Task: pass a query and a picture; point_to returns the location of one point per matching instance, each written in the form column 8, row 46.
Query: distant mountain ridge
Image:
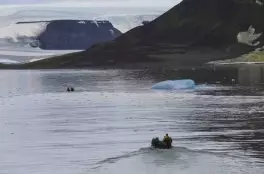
column 190, row 34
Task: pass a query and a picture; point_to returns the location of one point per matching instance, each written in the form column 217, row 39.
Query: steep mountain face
column 212, row 23
column 75, row 35
column 192, row 33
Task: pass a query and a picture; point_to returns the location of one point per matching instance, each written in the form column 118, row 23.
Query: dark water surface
column 107, row 124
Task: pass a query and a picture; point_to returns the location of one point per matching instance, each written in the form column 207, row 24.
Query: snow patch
column 81, row 22
column 112, row 32
column 249, row 37
column 95, row 22
column 125, row 22
column 37, row 59
column 259, row 2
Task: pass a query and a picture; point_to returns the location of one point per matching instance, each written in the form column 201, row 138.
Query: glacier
column 175, row 85
column 15, row 38
column 8, row 61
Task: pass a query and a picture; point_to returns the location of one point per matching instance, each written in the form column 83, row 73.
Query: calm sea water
column 107, row 124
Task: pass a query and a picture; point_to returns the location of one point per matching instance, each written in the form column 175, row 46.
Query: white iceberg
column 175, row 84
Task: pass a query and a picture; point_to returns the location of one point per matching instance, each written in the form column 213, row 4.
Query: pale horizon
column 130, row 3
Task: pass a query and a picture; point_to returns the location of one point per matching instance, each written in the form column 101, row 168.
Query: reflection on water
column 238, row 123
column 243, row 75
column 251, row 74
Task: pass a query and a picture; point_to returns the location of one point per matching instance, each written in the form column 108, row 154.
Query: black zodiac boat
column 156, row 143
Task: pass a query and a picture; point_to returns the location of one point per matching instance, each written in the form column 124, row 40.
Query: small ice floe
column 249, row 37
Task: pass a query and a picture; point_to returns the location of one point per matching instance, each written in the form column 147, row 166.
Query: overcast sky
column 138, row 2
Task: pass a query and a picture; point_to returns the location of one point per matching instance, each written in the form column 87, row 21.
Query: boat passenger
column 167, row 140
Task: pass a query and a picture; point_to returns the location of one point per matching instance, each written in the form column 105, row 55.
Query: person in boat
column 70, row 89
column 167, row 140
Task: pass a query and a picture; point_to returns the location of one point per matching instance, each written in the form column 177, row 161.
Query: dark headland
column 190, row 34
column 73, row 34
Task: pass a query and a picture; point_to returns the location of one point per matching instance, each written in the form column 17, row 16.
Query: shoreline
column 193, row 58
column 146, row 60
column 237, row 63
column 135, row 66
column 241, row 73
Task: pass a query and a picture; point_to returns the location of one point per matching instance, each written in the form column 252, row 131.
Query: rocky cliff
column 75, row 34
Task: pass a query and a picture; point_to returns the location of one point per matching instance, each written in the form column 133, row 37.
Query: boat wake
column 150, row 160
column 162, row 156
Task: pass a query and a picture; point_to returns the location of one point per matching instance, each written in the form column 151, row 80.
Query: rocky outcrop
column 75, row 34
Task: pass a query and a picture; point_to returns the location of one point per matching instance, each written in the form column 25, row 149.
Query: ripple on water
column 45, row 130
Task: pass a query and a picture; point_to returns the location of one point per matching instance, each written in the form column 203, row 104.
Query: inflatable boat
column 156, row 143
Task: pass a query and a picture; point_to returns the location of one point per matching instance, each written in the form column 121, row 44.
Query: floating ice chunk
column 175, row 84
